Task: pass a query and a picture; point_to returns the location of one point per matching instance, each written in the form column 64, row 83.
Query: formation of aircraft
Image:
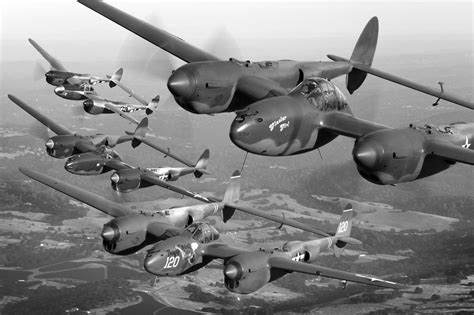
column 290, row 107
column 246, row 271
column 282, row 107
column 184, row 244
column 76, row 87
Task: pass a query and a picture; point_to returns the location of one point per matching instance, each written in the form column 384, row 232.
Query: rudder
column 232, row 194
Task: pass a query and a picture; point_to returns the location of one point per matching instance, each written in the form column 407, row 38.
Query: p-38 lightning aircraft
column 209, row 85
column 59, row 76
column 131, row 230
column 246, row 271
column 68, row 143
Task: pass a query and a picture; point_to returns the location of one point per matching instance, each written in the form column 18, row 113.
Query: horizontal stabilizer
column 410, row 84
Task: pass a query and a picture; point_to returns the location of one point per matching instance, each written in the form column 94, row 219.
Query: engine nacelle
column 93, row 109
column 248, row 272
column 126, row 235
column 127, row 180
column 63, row 146
column 392, row 156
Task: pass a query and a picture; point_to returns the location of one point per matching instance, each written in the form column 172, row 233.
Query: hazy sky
column 67, row 25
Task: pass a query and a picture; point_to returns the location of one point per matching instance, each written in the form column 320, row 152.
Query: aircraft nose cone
column 152, row 264
column 367, row 154
column 182, row 83
column 49, row 144
column 88, row 104
column 108, row 233
column 231, row 272
column 70, row 165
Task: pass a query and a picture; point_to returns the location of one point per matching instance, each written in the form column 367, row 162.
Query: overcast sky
column 66, row 24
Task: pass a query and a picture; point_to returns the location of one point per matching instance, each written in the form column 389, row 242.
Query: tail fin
column 115, row 78
column 343, row 231
column 153, row 105
column 363, row 53
column 55, row 63
column 201, row 164
column 232, row 194
column 140, row 132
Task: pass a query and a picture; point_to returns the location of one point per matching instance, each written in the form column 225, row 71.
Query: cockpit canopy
column 321, row 93
column 202, row 232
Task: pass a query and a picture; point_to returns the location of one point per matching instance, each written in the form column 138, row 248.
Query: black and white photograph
column 236, row 157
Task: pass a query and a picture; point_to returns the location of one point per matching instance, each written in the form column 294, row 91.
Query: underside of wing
column 154, row 180
column 114, row 109
column 161, row 38
column 282, row 220
column 100, row 203
column 290, row 265
column 55, row 127
column 348, row 125
column 410, row 84
column 223, row 251
column 451, row 152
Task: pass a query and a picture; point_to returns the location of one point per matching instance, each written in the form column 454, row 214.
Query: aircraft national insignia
column 466, row 145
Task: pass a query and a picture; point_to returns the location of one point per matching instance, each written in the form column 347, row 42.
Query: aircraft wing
column 158, row 37
column 132, row 93
column 163, row 230
column 154, row 180
column 223, row 251
column 348, row 125
column 55, row 127
column 282, row 220
column 100, row 203
column 166, row 152
column 257, row 88
column 55, row 63
column 114, row 109
column 452, row 152
column 413, row 85
column 290, row 265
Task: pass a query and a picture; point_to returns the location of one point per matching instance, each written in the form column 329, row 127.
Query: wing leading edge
column 290, row 265
column 158, row 37
column 100, row 203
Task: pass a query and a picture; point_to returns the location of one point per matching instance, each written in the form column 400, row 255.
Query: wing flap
column 100, row 203
column 55, row 127
column 410, row 84
column 451, row 152
column 161, row 38
column 348, row 125
column 290, row 265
